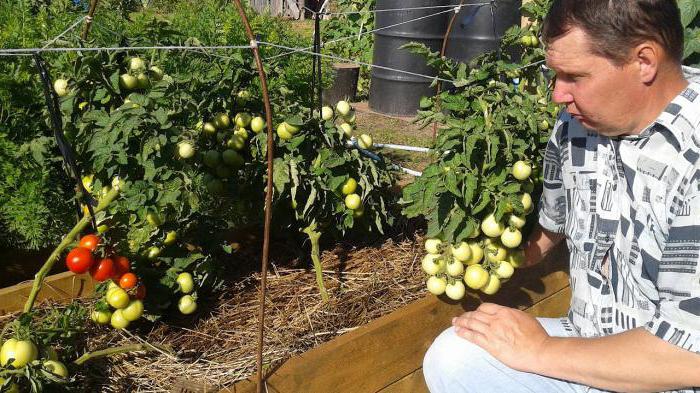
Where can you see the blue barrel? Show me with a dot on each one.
(397, 93)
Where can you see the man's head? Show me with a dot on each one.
(614, 59)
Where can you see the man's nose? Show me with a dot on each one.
(562, 93)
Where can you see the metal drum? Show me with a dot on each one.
(397, 93)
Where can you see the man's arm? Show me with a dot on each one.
(632, 361)
(539, 244)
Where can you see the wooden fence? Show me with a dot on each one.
(285, 8)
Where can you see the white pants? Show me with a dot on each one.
(455, 365)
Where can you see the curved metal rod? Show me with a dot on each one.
(268, 193)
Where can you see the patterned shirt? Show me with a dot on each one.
(630, 209)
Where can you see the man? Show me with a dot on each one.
(622, 186)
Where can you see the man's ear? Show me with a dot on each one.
(647, 56)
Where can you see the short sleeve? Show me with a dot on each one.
(552, 207)
(677, 277)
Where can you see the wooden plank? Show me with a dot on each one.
(412, 383)
(293, 9)
(379, 353)
(58, 287)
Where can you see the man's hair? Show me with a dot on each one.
(615, 27)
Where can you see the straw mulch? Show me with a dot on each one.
(220, 347)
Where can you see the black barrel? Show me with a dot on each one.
(473, 31)
(398, 93)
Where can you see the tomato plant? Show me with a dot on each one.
(477, 194)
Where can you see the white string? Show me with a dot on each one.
(356, 62)
(454, 7)
(359, 35)
(77, 22)
(25, 51)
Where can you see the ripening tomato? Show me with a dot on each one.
(90, 242)
(121, 266)
(128, 281)
(140, 292)
(103, 270)
(79, 260)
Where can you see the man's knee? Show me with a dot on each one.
(451, 359)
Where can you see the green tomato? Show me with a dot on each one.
(349, 186)
(156, 73)
(436, 285)
(142, 81)
(544, 125)
(222, 121)
(353, 201)
(133, 311)
(187, 305)
(477, 253)
(534, 41)
(118, 320)
(128, 82)
(521, 170)
(185, 149)
(224, 171)
(475, 233)
(347, 129)
(525, 40)
(463, 252)
(21, 352)
(433, 246)
(242, 133)
(526, 200)
(101, 317)
(243, 120)
(153, 252)
(511, 238)
(170, 238)
(505, 270)
(343, 108)
(55, 367)
(433, 264)
(136, 64)
(516, 258)
(215, 186)
(209, 129)
(495, 253)
(476, 276)
(517, 221)
(186, 282)
(490, 227)
(232, 158)
(153, 218)
(492, 286)
(283, 133)
(118, 298)
(327, 113)
(212, 159)
(455, 290)
(359, 212)
(60, 86)
(257, 124)
(350, 117)
(455, 268)
(365, 142)
(237, 142)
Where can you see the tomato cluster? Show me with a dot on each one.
(18, 353)
(483, 262)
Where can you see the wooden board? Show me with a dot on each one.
(58, 287)
(554, 306)
(386, 350)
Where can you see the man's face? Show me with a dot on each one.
(600, 95)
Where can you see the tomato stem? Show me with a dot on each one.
(117, 350)
(314, 236)
(46, 268)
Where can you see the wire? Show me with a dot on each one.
(455, 8)
(77, 22)
(357, 62)
(22, 51)
(365, 33)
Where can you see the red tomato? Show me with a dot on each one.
(128, 281)
(79, 260)
(90, 242)
(121, 266)
(140, 292)
(103, 270)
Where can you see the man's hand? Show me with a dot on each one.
(512, 336)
